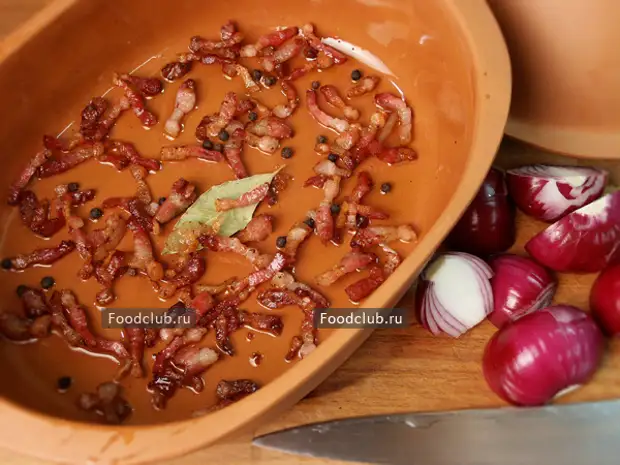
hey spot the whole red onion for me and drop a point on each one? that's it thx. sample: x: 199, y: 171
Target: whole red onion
x: 605, y: 300
x: 520, y: 286
x: 488, y: 224
x: 531, y: 361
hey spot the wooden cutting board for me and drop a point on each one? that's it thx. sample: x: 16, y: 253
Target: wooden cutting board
x: 395, y: 370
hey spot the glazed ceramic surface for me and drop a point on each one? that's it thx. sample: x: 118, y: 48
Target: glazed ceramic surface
x: 447, y: 57
x: 566, y: 74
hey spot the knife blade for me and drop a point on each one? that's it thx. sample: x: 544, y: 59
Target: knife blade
x: 573, y: 434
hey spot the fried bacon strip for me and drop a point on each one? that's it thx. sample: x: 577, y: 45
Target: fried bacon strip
x: 26, y: 175
x: 350, y: 263
x: 336, y: 124
x: 79, y: 322
x: 60, y: 323
x: 36, y: 215
x: 393, y: 155
x: 270, y: 126
x: 248, y: 198
x: 108, y: 272
x: 135, y: 98
x: 248, y: 284
x: 228, y: 108
x: 390, y: 102
x: 311, y: 297
x: 292, y: 101
x: 234, y: 69
x: 184, y: 152
x: 45, y: 256
x: 392, y: 260
x: 189, y: 363
x: 185, y: 102
x: 226, y: 323
x: 192, y: 272
x: 143, y: 193
x: 278, y: 185
x: 182, y: 195
x: 324, y: 218
x: 328, y: 168
x: 17, y: 328
x: 262, y: 322
x: 129, y: 152
x: 235, y: 390
x: 258, y: 229
x: 147, y: 86
x: 176, y: 70
x: 107, y: 403
x: 232, y: 150
x: 354, y: 207
x: 282, y: 54
x: 361, y: 289
x: 364, y: 86
x: 201, y: 45
x: 266, y: 144
x: 66, y: 161
x: 143, y: 258
x: 295, y: 237
x: 232, y: 244
x: 91, y: 117
x: 34, y: 304
x: 136, y: 342
x: 348, y: 139
x: 272, y: 39
x: 332, y: 95
x: 106, y: 239
x: 376, y: 235
x: 337, y: 57
x: 386, y: 130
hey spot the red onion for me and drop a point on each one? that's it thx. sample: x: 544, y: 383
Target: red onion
x: 520, y: 286
x: 584, y: 241
x: 542, y: 355
x: 548, y: 193
x: 605, y: 300
x: 454, y: 293
x: 488, y: 224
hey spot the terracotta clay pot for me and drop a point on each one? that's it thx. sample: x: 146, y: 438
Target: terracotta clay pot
x: 566, y: 74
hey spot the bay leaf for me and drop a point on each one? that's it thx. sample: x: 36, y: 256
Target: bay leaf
x: 203, y: 213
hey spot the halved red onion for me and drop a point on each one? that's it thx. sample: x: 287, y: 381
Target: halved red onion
x: 548, y: 192
x: 488, y: 224
x: 584, y: 241
x: 543, y: 355
x: 520, y: 286
x: 454, y: 293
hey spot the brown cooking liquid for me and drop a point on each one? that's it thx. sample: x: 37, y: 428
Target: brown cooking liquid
x: 38, y: 365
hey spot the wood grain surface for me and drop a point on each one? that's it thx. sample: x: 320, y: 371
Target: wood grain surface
x: 395, y: 370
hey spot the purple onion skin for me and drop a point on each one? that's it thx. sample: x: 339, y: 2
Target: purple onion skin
x: 531, y: 360
x: 488, y: 225
x: 518, y: 283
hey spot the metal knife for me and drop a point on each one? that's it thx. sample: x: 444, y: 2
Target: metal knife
x: 573, y: 434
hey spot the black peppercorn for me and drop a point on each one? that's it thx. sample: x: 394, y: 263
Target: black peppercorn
x: 270, y: 81
x: 161, y: 200
x: 335, y: 208
x: 252, y: 116
x: 287, y: 152
x: 316, y: 85
x: 386, y: 187
x: 309, y: 222
x: 21, y: 289
x: 321, y: 140
x: 361, y: 221
x: 7, y: 264
x: 332, y: 157
x: 207, y: 145
x: 281, y: 242
x: 257, y: 74
x: 223, y: 135
x: 96, y: 213
x: 47, y: 282
x: 64, y: 383
x: 356, y: 75
x: 73, y: 186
